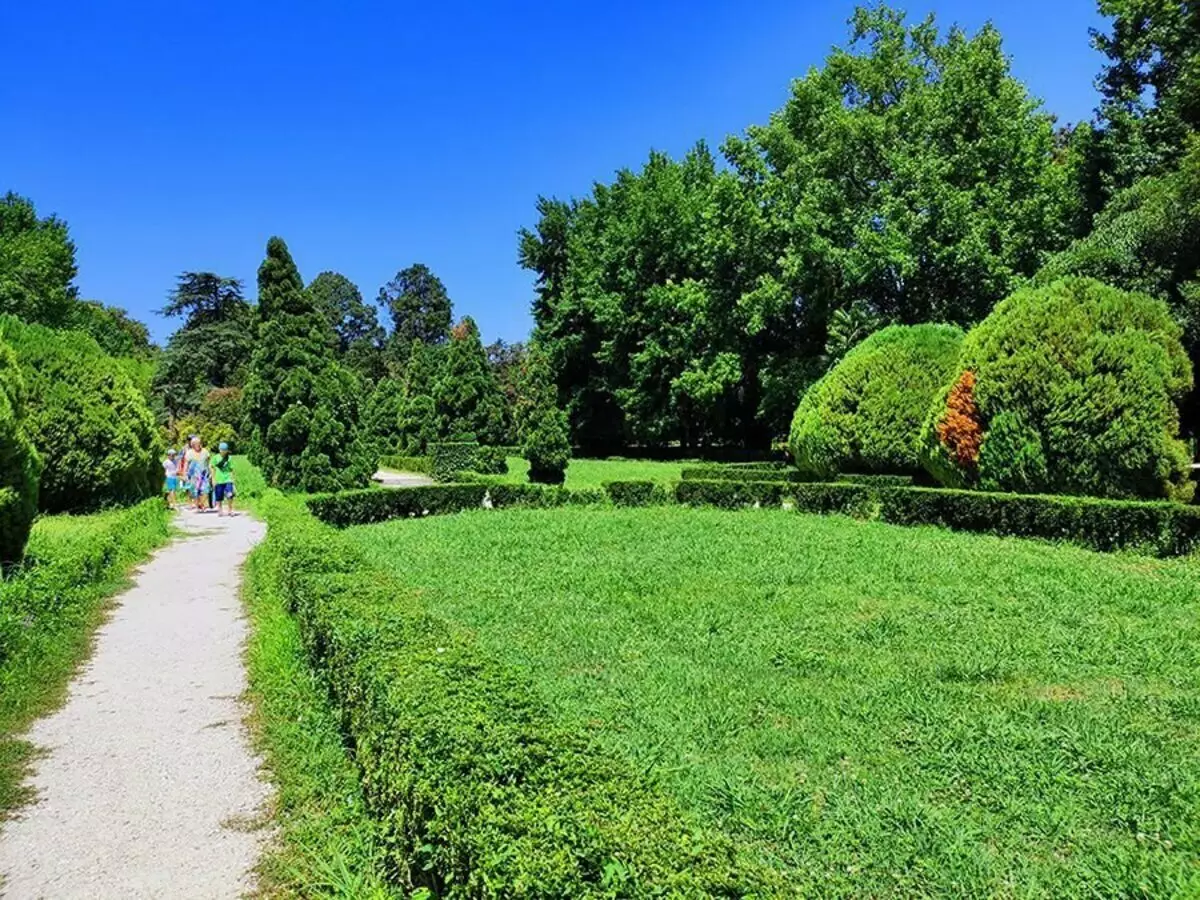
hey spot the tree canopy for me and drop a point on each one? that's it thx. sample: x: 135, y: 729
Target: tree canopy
x: 37, y: 264
x: 360, y: 338
x: 909, y: 179
x: 419, y: 307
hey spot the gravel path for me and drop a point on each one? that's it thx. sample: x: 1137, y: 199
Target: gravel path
x: 149, y: 787
x: 391, y: 479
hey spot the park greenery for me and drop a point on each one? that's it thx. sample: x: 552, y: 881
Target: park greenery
x: 911, y: 297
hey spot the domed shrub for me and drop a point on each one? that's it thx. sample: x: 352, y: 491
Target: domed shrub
x: 92, y: 427
x: 1069, y: 388
x: 865, y: 415
x: 20, y: 465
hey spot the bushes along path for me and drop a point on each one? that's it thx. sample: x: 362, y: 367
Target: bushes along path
x: 148, y: 787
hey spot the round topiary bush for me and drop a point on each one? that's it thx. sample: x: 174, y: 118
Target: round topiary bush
x: 20, y: 466
x: 1070, y: 388
x: 92, y: 427
x: 864, y: 416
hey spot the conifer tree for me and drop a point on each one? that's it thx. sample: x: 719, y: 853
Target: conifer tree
x: 302, y: 405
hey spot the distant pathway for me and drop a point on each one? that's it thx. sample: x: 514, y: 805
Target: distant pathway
x: 388, y: 478
x: 149, y: 787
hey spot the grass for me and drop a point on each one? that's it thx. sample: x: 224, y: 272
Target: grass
x: 325, y: 844
x: 874, y: 710
x: 48, y: 611
x: 592, y: 473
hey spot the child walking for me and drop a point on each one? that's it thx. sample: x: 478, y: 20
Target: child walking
x: 170, y: 478
x: 222, y: 479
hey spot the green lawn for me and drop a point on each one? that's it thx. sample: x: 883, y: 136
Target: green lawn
x: 592, y: 473
x: 879, y: 711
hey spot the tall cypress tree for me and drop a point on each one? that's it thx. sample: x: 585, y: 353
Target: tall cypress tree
x: 302, y: 405
x: 467, y: 393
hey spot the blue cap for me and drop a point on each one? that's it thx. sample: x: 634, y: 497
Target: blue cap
x: 223, y: 447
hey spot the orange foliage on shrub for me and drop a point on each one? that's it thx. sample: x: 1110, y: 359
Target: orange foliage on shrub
x: 959, y: 430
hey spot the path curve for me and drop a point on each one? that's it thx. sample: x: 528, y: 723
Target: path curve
x: 149, y: 787
x: 391, y: 479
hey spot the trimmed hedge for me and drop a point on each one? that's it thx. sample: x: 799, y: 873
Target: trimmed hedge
x: 730, y: 473
x: 727, y: 473
x: 636, y: 493
x: 451, y: 457
x: 820, y: 497
x: 422, y: 465
x: 879, y: 480
x: 364, y: 507
x: 1155, y: 528
x: 478, y: 791
x: 379, y: 505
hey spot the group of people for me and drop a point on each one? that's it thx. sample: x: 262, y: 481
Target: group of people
x: 208, y: 479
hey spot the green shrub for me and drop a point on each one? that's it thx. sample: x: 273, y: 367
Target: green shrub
x: 477, y: 790
x: 547, y: 445
x: 422, y: 465
x: 491, y: 461
x: 865, y: 414
x: 451, y: 457
x: 636, y: 493
x: 20, y: 465
x: 92, y: 427
x: 1073, y: 388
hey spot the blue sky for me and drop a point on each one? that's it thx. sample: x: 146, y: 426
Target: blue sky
x: 177, y: 136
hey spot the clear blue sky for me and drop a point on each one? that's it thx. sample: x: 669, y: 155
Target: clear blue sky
x: 177, y: 136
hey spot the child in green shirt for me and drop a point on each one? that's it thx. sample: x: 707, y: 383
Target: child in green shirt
x: 222, y: 479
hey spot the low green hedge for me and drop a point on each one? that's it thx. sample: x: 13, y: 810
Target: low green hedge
x: 450, y: 457
x: 1157, y: 528
x: 879, y: 480
x: 636, y: 493
x: 1154, y: 527
x: 825, y: 497
x: 422, y: 465
x: 763, y: 472
x: 479, y: 792
x: 374, y: 505
x: 743, y: 473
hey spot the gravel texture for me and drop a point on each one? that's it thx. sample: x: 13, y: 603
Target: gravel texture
x: 148, y: 787
x: 391, y: 479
